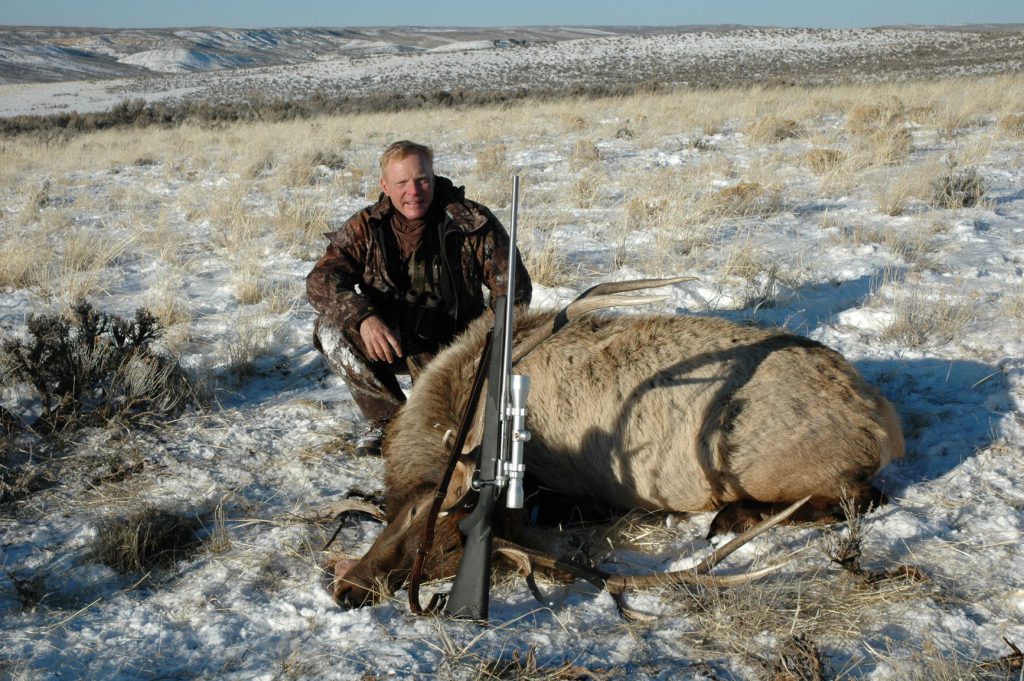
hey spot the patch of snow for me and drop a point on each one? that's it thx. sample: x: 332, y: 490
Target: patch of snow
x: 181, y: 60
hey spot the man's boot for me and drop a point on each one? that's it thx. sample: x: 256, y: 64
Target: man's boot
x: 369, y: 442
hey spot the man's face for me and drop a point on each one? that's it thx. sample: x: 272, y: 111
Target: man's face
x: 409, y: 183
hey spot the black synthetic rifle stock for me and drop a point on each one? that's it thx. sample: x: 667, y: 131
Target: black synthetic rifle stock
x: 500, y: 462
x: 470, y: 592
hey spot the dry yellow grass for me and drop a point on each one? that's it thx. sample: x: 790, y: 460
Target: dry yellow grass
x: 823, y: 160
x: 586, y: 189
x: 770, y: 129
x: 889, y: 145
x: 492, y: 159
x: 1013, y: 124
x: 894, y: 194
x: 644, y: 212
x: 746, y: 198
x: 1013, y: 302
x: 260, y: 193
x: 888, y: 112
x: 920, y: 320
x: 548, y: 264
x: 300, y: 225
x: 584, y: 154
x: 23, y: 259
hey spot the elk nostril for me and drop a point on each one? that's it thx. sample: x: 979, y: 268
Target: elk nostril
x: 345, y: 598
x: 350, y: 597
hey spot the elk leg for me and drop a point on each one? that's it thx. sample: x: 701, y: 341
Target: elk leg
x: 744, y: 514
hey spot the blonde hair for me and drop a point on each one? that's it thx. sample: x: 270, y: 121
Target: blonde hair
x: 396, y: 151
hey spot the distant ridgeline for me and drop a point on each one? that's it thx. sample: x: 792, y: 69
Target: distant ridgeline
x: 165, y: 77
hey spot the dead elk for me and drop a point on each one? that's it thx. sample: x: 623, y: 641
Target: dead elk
x: 657, y: 412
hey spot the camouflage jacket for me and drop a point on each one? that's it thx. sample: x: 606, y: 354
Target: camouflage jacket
x: 360, y: 273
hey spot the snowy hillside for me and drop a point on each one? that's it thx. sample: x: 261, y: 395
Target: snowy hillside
x: 45, y: 71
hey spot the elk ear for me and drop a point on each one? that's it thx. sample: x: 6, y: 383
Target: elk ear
x: 461, y: 485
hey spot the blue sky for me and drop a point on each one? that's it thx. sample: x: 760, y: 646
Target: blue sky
x: 339, y: 13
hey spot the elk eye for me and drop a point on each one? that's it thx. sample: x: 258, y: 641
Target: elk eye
x: 412, y: 512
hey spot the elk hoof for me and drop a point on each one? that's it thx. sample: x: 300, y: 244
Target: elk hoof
x: 736, y: 517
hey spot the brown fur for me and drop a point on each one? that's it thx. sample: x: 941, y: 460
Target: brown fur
x: 657, y: 412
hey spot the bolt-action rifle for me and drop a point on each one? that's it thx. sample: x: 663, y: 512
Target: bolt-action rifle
x: 501, y: 452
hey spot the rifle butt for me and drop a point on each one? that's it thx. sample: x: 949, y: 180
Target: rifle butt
x: 469, y: 597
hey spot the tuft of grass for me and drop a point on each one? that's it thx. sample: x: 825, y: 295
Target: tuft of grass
x: 934, y: 661
x: 309, y: 167
x: 572, y: 122
x: 39, y: 199
x: 248, y: 280
x: 586, y: 189
x: 921, y: 321
x: 528, y: 667
x: 866, y: 118
x: 300, y: 224
x: 1013, y: 302
x: 584, y: 154
x: 915, y: 246
x: 896, y: 194
x: 23, y: 259
x: 493, y: 159
x: 352, y: 181
x: 762, y: 276
x: 958, y: 189
x: 491, y: 183
x: 219, y: 539
x: 813, y: 604
x: 548, y: 264
x: 644, y: 212
x: 259, y: 163
x: 823, y: 160
x: 746, y: 199
x: 147, y: 539
x: 250, y: 337
x: 889, y: 145
x: 846, y: 549
x: 1012, y: 124
x: 169, y: 306
x: 799, y: 659
x: 770, y: 129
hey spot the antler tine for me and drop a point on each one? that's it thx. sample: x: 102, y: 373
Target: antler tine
x: 344, y: 506
x: 699, y: 574
x: 340, y: 509
x: 595, y: 298
x: 574, y: 310
x: 622, y: 582
x: 617, y: 585
x: 633, y: 285
x: 579, y: 307
x: 739, y: 540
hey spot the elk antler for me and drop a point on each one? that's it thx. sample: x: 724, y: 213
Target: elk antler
x: 527, y: 560
x: 596, y: 297
x: 611, y: 287
x: 346, y: 506
x: 340, y: 509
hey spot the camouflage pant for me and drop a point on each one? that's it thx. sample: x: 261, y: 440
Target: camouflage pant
x: 374, y: 385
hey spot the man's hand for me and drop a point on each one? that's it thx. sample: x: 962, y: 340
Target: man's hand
x: 381, y: 343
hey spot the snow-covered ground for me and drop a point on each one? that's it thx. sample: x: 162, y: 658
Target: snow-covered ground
x: 927, y: 301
